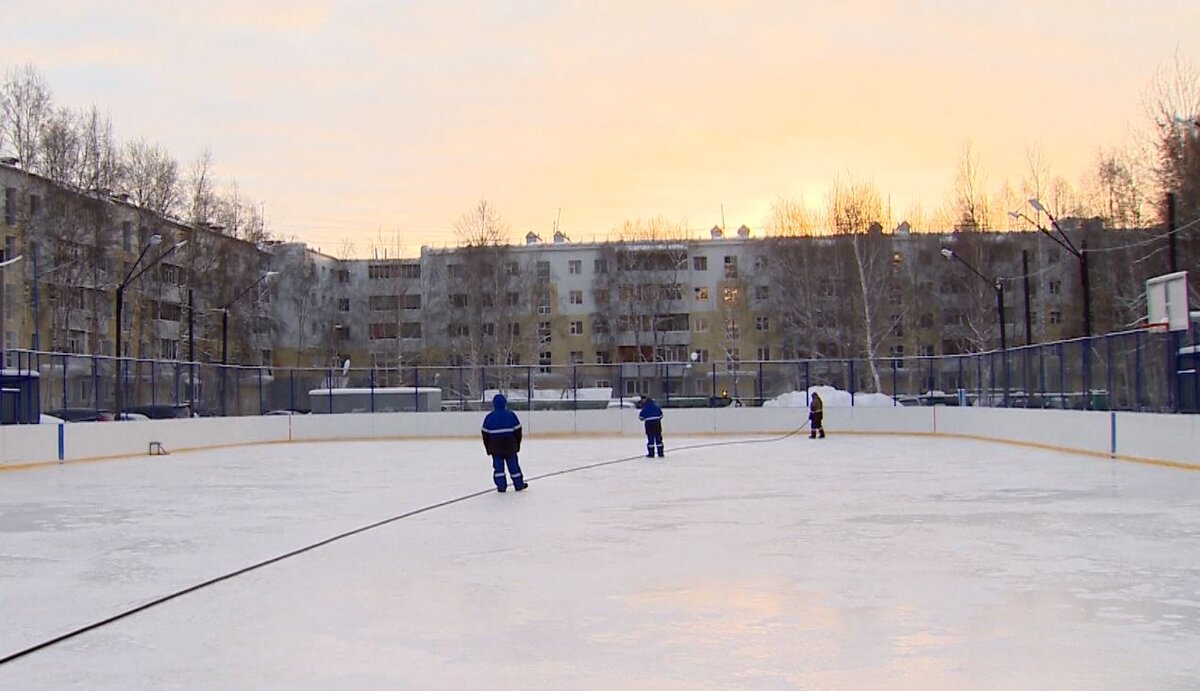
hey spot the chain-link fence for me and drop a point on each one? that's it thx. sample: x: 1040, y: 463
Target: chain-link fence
x: 1132, y: 371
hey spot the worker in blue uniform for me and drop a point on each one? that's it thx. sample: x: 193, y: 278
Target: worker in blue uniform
x: 652, y: 416
x: 502, y: 440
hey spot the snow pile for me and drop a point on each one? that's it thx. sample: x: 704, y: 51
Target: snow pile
x: 831, y: 397
x: 600, y: 393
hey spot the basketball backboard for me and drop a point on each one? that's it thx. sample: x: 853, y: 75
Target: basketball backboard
x: 1167, y: 301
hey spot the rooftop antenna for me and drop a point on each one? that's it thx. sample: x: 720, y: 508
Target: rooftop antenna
x: 558, y: 219
x: 722, y: 218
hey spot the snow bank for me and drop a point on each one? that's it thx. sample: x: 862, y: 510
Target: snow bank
x: 831, y: 397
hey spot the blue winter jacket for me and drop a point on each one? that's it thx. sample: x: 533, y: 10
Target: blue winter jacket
x: 650, y: 411
x: 501, y: 429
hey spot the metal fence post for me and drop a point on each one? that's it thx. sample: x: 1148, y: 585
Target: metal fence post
x: 851, y: 386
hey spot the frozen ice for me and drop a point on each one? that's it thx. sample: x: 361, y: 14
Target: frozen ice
x: 734, y: 562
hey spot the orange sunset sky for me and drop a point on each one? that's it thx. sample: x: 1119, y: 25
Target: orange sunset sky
x: 380, y: 123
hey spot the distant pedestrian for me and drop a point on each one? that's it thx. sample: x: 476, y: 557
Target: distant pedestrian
x: 502, y: 440
x: 652, y: 416
x: 816, y: 413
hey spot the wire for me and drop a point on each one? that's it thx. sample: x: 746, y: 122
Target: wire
x: 341, y: 536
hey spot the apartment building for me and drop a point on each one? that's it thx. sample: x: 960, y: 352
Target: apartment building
x: 661, y: 309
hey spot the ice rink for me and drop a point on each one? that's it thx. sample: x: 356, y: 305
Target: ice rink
x: 855, y: 562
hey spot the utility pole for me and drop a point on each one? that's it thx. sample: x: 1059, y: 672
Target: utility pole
x: 1028, y: 301
x: 1171, y: 251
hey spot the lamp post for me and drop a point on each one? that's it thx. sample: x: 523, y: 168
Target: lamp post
x: 997, y: 285
x: 225, y: 314
x: 130, y: 277
x: 1080, y: 253
x: 3, y: 313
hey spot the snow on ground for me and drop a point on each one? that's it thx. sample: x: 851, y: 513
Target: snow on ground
x: 830, y: 397
x: 851, y: 562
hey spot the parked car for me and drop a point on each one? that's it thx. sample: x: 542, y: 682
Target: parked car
x: 161, y: 412
x: 82, y: 414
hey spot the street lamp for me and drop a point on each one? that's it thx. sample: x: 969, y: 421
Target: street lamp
x: 997, y: 285
x: 1080, y: 253
x: 3, y: 313
x: 225, y: 314
x: 130, y: 277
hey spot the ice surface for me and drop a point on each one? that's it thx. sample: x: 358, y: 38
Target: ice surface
x: 850, y: 562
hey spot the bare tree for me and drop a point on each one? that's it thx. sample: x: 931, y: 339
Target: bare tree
x: 790, y: 218
x: 200, y: 194
x: 25, y: 106
x: 972, y: 210
x: 150, y: 176
x: 854, y: 208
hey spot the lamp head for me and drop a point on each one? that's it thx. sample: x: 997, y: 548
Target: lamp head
x: 155, y: 239
x: 179, y: 244
x: 270, y: 274
x: 1037, y: 205
x: 947, y: 253
x: 1016, y: 215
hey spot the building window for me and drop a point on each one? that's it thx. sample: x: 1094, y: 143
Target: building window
x: 543, y: 307
x: 701, y: 324
x: 701, y: 355
x: 455, y: 270
x: 514, y: 329
x: 731, y: 328
x: 601, y: 266
x: 764, y: 354
x: 343, y: 304
x: 410, y: 270
x: 575, y: 266
x: 265, y: 356
x: 733, y: 356
x: 762, y: 324
x: 1055, y: 317
x: 459, y: 331
x: 731, y: 266
x: 576, y: 357
x: 600, y: 325
x: 543, y: 332
x: 600, y: 297
x: 925, y: 350
x: 700, y: 263
x: 127, y: 236
x: 897, y: 328
x: 926, y: 321
x: 168, y: 349
x: 730, y: 295
x: 487, y: 329
x: 412, y: 302
x: 384, y: 303
x: 410, y: 330
x: 603, y: 357
x: 381, y: 330
x: 343, y: 276
x: 544, y: 361
x: 1054, y: 287
x: 576, y: 297
x: 762, y: 292
x: 701, y: 294
x: 459, y: 300
x: 543, y: 270
x: 512, y: 268
x: 576, y: 328
x: 760, y: 263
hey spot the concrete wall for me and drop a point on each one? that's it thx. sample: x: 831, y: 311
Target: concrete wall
x: 1171, y: 439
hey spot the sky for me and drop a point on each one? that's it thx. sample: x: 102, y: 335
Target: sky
x: 363, y: 125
